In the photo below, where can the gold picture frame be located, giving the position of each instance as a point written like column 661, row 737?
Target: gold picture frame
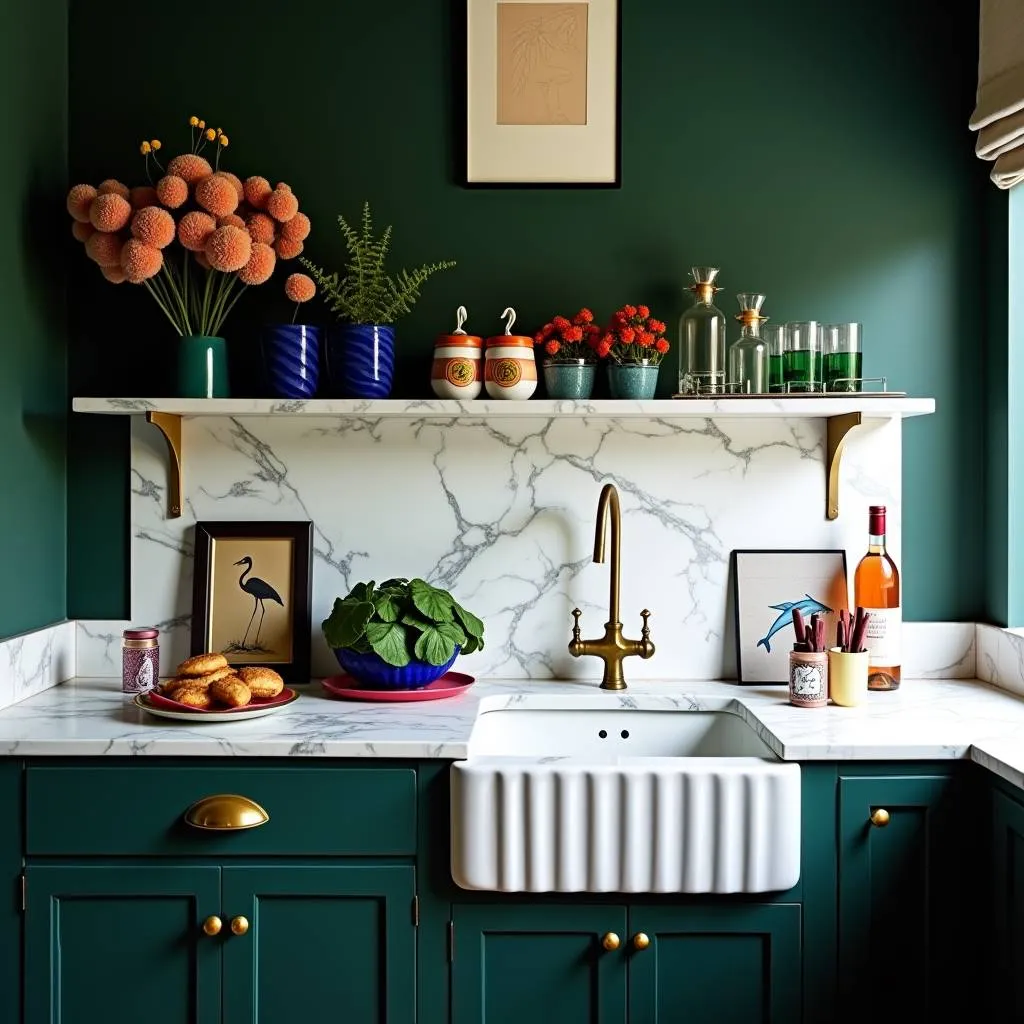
column 542, row 93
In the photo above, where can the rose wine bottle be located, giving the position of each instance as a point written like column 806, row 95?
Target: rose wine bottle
column 876, row 589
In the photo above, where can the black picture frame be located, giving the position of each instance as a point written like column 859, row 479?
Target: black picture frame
column 735, row 579
column 301, row 534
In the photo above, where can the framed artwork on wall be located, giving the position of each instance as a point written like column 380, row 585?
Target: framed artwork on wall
column 252, row 593
column 768, row 586
column 542, row 93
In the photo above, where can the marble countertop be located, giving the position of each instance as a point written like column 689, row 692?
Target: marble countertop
column 928, row 719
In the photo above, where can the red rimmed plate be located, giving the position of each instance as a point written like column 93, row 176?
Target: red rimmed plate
column 346, row 688
column 163, row 707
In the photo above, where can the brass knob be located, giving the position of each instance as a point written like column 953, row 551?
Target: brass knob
column 239, row 925
column 880, row 817
column 212, row 925
column 226, row 812
column 641, row 940
column 610, row 941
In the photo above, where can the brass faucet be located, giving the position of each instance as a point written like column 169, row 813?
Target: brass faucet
column 613, row 647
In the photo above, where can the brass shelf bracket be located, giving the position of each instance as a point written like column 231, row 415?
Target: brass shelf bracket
column 169, row 424
column 838, row 428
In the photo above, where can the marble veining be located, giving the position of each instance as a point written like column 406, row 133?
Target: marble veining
column 501, row 511
column 33, row 662
column 1001, row 657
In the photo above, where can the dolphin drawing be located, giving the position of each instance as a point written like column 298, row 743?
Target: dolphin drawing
column 807, row 606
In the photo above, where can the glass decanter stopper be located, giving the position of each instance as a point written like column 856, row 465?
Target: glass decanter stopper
column 702, row 339
column 749, row 364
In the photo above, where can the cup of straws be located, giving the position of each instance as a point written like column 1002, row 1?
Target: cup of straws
column 848, row 660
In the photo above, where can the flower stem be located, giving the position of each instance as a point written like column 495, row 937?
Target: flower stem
column 231, row 306
column 159, row 302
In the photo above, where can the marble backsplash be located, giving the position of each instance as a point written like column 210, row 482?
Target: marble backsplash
column 33, row 662
column 501, row 511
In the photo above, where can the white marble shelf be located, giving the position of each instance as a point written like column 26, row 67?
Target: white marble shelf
column 819, row 407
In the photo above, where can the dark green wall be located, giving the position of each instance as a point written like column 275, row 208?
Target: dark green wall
column 816, row 152
column 33, row 385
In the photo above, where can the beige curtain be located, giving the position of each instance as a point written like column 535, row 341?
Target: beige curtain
column 998, row 116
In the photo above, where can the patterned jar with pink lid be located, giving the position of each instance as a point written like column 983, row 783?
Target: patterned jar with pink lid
column 140, row 659
column 456, row 369
column 510, row 370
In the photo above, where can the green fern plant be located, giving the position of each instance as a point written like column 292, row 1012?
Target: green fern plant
column 367, row 294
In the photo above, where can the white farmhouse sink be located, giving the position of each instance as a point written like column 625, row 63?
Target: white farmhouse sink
column 597, row 794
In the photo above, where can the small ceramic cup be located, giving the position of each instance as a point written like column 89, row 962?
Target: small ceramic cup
column 847, row 677
column 808, row 679
column 456, row 369
column 510, row 370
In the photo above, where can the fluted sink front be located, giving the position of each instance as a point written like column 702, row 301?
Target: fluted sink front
column 595, row 794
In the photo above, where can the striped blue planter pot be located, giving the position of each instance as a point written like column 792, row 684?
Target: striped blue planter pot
column 291, row 358
column 361, row 359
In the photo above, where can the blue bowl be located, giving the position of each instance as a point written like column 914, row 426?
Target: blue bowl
column 374, row 672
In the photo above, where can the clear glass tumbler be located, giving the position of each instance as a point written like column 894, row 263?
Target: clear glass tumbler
column 775, row 337
column 803, row 362
column 843, row 357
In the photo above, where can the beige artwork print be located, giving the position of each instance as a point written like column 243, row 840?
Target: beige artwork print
column 542, row 63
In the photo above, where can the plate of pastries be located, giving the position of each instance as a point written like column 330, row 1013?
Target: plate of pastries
column 207, row 689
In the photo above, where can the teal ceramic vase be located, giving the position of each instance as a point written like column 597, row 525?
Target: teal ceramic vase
column 573, row 380
column 202, row 367
column 633, row 380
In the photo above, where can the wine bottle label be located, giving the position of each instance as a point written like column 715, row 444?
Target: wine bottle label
column 882, row 638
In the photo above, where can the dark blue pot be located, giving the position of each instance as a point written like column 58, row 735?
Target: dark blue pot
column 371, row 670
column 291, row 357
column 361, row 359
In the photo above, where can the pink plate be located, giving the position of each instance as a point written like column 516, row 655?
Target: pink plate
column 348, row 688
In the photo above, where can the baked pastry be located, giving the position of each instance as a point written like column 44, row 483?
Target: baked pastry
column 202, row 664
column 192, row 696
column 203, row 681
column 230, row 691
column 263, row 682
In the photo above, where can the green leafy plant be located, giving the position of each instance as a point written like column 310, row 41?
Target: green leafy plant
column 401, row 620
column 367, row 294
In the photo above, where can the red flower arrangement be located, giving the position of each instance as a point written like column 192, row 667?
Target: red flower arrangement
column 568, row 341
column 633, row 335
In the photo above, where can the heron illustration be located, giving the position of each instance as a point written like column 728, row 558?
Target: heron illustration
column 260, row 591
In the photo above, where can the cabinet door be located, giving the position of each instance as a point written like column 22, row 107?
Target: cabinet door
column 517, row 965
column 1008, row 852
column 715, row 964
column 900, row 895
column 121, row 945
column 324, row 943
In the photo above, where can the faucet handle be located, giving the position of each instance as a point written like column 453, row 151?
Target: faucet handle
column 576, row 613
column 645, row 633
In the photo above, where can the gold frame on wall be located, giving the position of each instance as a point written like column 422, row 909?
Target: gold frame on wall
column 542, row 93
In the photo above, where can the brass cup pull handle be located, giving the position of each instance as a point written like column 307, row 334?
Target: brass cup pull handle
column 239, row 925
column 212, row 925
column 610, row 941
column 226, row 812
column 641, row 940
column 880, row 817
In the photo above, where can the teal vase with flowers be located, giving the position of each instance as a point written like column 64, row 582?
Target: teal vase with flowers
column 569, row 358
column 634, row 342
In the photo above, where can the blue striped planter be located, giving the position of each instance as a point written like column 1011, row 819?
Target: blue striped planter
column 291, row 357
column 361, row 359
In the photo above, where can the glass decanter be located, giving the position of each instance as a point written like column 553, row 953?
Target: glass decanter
column 749, row 364
column 702, row 339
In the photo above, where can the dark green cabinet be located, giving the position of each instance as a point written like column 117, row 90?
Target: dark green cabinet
column 731, row 964
column 1008, row 908
column 121, row 944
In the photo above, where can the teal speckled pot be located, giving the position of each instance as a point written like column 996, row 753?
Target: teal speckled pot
column 573, row 380
column 633, row 380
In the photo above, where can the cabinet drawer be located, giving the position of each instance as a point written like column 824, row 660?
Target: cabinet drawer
column 139, row 811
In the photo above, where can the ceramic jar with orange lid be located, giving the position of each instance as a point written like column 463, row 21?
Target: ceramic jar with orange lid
column 510, row 370
column 456, row 369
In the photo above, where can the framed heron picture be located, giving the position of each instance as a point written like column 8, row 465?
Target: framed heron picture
column 251, row 594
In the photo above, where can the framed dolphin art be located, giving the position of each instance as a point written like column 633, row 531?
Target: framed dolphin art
column 768, row 586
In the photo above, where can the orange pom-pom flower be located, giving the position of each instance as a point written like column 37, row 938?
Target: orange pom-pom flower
column 217, row 195
column 296, row 229
column 79, row 200
column 104, row 248
column 257, row 191
column 261, row 228
column 288, row 250
column 231, row 220
column 236, row 182
column 228, row 249
column 299, row 288
column 153, row 226
column 284, row 186
column 82, row 230
column 140, row 261
column 261, row 265
column 113, row 187
column 190, row 168
column 195, row 229
column 172, row 191
column 142, row 196
column 115, row 275
column 109, row 212
column 282, row 205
